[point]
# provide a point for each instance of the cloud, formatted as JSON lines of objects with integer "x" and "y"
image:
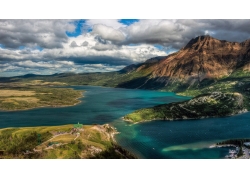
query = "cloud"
{"x": 108, "y": 33}
{"x": 43, "y": 64}
{"x": 43, "y": 45}
{"x": 173, "y": 33}
{"x": 85, "y": 43}
{"x": 30, "y": 33}
{"x": 104, "y": 47}
{"x": 114, "y": 23}
{"x": 51, "y": 67}
{"x": 73, "y": 44}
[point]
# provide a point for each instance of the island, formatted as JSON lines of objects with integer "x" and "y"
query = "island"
{"x": 216, "y": 104}
{"x": 73, "y": 141}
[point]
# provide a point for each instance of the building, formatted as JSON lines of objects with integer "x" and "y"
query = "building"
{"x": 78, "y": 126}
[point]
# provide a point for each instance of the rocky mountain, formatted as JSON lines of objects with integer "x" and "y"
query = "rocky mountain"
{"x": 204, "y": 57}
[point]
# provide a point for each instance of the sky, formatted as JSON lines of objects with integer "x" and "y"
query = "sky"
{"x": 30, "y": 46}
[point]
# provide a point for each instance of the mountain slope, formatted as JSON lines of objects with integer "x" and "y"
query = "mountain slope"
{"x": 203, "y": 58}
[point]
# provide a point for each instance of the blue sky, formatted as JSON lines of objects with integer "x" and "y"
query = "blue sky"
{"x": 101, "y": 45}
{"x": 79, "y": 25}
{"x": 78, "y": 28}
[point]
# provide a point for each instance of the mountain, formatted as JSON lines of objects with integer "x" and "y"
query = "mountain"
{"x": 203, "y": 58}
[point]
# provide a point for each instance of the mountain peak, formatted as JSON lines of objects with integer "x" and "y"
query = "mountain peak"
{"x": 204, "y": 57}
{"x": 198, "y": 40}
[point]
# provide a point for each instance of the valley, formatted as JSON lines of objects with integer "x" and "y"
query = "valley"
{"x": 204, "y": 65}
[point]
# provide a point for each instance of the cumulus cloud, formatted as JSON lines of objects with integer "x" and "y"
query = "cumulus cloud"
{"x": 104, "y": 47}
{"x": 43, "y": 64}
{"x": 107, "y": 22}
{"x": 85, "y": 43}
{"x": 43, "y": 45}
{"x": 73, "y": 44}
{"x": 52, "y": 67}
{"x": 43, "y": 33}
{"x": 78, "y": 59}
{"x": 108, "y": 33}
{"x": 174, "y": 33}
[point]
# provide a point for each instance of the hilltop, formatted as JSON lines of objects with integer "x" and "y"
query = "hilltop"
{"x": 61, "y": 142}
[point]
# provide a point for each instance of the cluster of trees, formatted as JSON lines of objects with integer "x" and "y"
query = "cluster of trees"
{"x": 236, "y": 142}
{"x": 57, "y": 96}
{"x": 224, "y": 105}
{"x": 114, "y": 152}
{"x": 16, "y": 145}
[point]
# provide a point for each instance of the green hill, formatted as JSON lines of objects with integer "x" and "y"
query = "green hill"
{"x": 61, "y": 142}
{"x": 216, "y": 104}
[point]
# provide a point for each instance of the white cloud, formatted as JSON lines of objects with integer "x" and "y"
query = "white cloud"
{"x": 85, "y": 43}
{"x": 43, "y": 64}
{"x": 114, "y": 23}
{"x": 104, "y": 47}
{"x": 73, "y": 44}
{"x": 108, "y": 33}
{"x": 31, "y": 33}
{"x": 110, "y": 44}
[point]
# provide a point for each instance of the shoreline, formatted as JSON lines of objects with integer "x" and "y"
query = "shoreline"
{"x": 131, "y": 121}
{"x": 51, "y": 106}
{"x": 222, "y": 145}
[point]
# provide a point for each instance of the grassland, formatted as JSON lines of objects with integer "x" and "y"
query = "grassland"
{"x": 34, "y": 94}
{"x": 63, "y": 142}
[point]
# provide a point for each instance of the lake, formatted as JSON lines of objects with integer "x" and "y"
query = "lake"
{"x": 187, "y": 139}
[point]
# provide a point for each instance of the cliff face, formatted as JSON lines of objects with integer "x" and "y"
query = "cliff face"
{"x": 203, "y": 57}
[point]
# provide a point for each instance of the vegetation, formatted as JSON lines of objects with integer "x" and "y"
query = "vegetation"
{"x": 64, "y": 142}
{"x": 236, "y": 142}
{"x": 114, "y": 152}
{"x": 13, "y": 97}
{"x": 207, "y": 105}
{"x": 16, "y": 145}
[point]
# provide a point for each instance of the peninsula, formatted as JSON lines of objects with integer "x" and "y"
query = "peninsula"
{"x": 215, "y": 104}
{"x": 61, "y": 142}
{"x": 37, "y": 93}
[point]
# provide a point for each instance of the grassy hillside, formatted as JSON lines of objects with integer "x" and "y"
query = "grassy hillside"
{"x": 64, "y": 142}
{"x": 207, "y": 105}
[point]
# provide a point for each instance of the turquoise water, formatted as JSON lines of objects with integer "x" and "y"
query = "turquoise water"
{"x": 156, "y": 139}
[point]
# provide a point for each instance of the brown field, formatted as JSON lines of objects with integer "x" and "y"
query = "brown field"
{"x": 43, "y": 83}
{"x": 27, "y": 99}
{"x": 7, "y": 93}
